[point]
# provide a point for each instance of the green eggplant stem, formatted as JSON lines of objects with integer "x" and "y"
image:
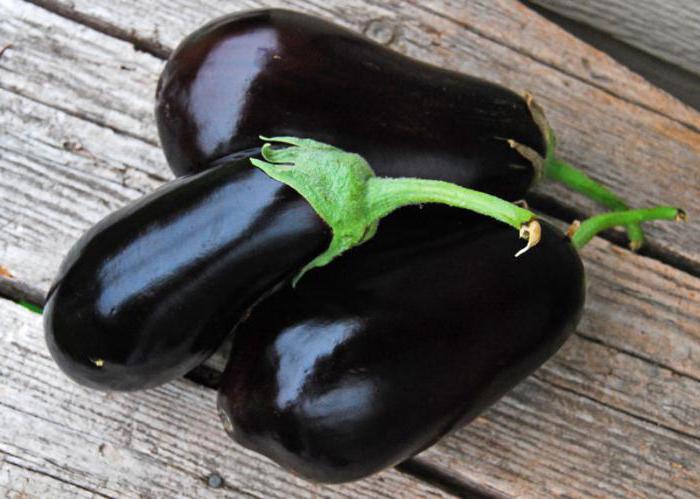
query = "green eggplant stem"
{"x": 344, "y": 191}
{"x": 578, "y": 181}
{"x": 555, "y": 169}
{"x": 582, "y": 232}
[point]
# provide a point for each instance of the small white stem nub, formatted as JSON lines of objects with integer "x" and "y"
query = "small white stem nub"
{"x": 532, "y": 231}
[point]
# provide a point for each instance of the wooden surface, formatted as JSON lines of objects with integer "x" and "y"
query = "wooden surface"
{"x": 614, "y": 413}
{"x": 57, "y": 438}
{"x": 597, "y": 106}
{"x": 669, "y": 29}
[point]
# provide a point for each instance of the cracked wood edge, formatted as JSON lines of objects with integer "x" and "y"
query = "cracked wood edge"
{"x": 58, "y": 439}
{"x": 633, "y": 148}
{"x": 668, "y": 29}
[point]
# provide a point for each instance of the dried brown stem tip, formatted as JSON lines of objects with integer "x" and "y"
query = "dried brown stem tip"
{"x": 532, "y": 231}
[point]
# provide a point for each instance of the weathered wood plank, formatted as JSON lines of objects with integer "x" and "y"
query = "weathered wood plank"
{"x": 76, "y": 69}
{"x": 645, "y": 313}
{"x": 17, "y": 478}
{"x": 543, "y": 441}
{"x": 58, "y": 176}
{"x": 644, "y": 307}
{"x": 668, "y": 29}
{"x": 60, "y": 440}
{"x": 68, "y": 189}
{"x": 647, "y": 391}
{"x": 628, "y": 134}
{"x": 502, "y": 20}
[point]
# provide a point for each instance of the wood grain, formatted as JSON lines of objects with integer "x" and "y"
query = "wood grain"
{"x": 60, "y": 440}
{"x": 634, "y": 138}
{"x": 500, "y": 20}
{"x": 668, "y": 29}
{"x": 643, "y": 307}
{"x": 76, "y": 69}
{"x": 544, "y": 441}
{"x": 58, "y": 176}
{"x": 614, "y": 413}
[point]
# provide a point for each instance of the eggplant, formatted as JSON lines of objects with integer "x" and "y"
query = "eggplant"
{"x": 275, "y": 72}
{"x": 388, "y": 349}
{"x": 153, "y": 289}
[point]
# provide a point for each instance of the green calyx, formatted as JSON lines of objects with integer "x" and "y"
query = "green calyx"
{"x": 555, "y": 169}
{"x": 344, "y": 191}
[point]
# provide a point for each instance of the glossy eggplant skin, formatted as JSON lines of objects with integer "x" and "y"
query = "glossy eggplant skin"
{"x": 276, "y": 72}
{"x": 389, "y": 349}
{"x": 153, "y": 289}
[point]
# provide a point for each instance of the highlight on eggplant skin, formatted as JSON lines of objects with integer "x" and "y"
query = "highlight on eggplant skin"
{"x": 274, "y": 72}
{"x": 368, "y": 362}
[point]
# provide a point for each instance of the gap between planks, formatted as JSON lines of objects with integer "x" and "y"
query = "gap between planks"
{"x": 666, "y": 29}
{"x": 141, "y": 44}
{"x": 549, "y": 205}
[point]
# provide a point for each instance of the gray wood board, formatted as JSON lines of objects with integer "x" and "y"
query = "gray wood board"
{"x": 58, "y": 439}
{"x": 629, "y": 135}
{"x": 68, "y": 157}
{"x": 668, "y": 29}
{"x": 635, "y": 415}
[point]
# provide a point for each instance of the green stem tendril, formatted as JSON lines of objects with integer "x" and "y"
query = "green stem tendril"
{"x": 582, "y": 232}
{"x": 343, "y": 189}
{"x": 555, "y": 169}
